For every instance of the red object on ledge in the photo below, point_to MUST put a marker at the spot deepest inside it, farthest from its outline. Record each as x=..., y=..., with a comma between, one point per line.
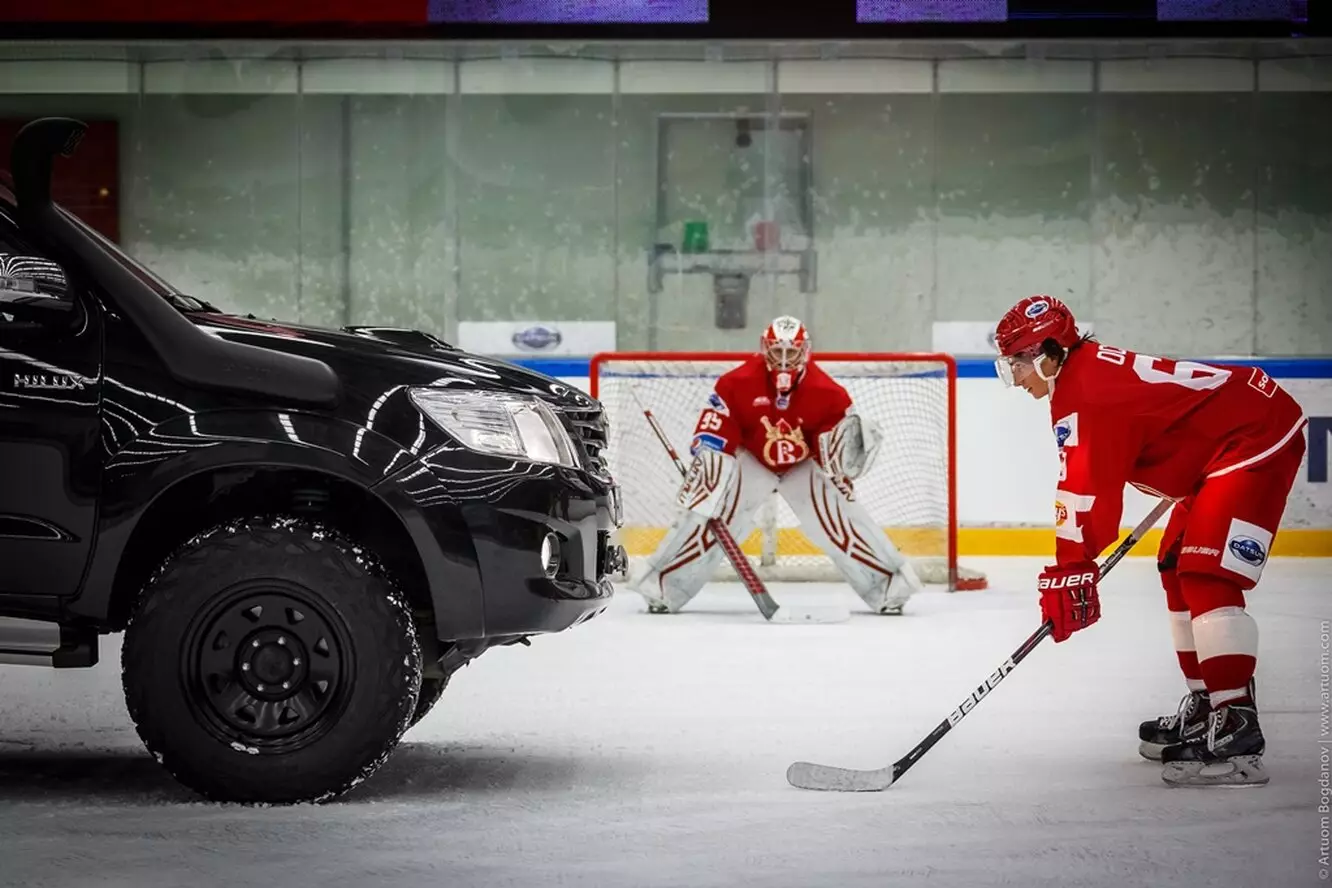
x=210, y=11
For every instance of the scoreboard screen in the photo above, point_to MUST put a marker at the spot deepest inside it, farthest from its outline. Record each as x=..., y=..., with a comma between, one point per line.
x=348, y=12
x=665, y=19
x=570, y=12
x=957, y=11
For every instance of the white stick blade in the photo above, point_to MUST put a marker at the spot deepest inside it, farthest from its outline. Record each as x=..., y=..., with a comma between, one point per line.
x=807, y=775
x=832, y=614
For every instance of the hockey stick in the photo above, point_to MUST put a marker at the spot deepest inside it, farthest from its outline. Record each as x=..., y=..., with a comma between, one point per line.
x=807, y=775
x=766, y=605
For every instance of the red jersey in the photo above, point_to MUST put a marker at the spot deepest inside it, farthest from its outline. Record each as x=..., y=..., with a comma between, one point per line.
x=1163, y=426
x=744, y=410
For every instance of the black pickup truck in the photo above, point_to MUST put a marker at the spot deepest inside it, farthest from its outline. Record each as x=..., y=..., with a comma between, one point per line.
x=302, y=533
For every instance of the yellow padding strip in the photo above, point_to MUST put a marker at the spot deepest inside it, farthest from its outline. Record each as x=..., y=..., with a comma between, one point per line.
x=980, y=541
x=1307, y=542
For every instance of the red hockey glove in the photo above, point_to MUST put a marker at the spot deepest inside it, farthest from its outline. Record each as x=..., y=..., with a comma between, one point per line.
x=1068, y=597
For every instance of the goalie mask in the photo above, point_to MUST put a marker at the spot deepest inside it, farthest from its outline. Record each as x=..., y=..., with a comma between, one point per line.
x=785, y=349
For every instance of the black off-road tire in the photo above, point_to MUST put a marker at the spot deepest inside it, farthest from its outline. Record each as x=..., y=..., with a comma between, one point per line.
x=235, y=613
x=431, y=690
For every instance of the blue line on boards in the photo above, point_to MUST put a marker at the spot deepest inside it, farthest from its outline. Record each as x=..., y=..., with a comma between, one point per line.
x=983, y=368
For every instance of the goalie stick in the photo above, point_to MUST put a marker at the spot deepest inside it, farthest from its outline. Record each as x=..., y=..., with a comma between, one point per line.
x=743, y=569
x=807, y=775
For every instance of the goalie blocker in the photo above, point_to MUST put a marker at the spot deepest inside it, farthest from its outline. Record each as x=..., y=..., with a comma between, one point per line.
x=752, y=440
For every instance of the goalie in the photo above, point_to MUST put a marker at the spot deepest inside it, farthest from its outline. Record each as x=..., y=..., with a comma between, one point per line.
x=778, y=423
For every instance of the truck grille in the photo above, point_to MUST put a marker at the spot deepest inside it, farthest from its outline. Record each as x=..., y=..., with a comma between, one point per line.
x=589, y=431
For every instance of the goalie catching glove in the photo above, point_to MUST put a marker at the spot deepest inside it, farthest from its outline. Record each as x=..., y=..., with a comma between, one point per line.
x=847, y=450
x=1068, y=597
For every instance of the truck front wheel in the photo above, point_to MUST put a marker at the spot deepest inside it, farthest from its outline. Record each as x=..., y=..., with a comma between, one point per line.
x=431, y=690
x=269, y=662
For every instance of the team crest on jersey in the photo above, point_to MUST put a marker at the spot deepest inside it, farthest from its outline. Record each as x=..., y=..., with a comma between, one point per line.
x=784, y=446
x=1066, y=431
x=716, y=403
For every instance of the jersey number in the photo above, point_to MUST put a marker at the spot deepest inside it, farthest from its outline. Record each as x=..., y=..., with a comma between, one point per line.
x=1189, y=374
x=709, y=422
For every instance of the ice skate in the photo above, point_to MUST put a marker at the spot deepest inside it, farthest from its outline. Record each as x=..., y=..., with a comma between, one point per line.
x=1189, y=721
x=657, y=599
x=1228, y=753
x=659, y=604
x=902, y=586
x=893, y=598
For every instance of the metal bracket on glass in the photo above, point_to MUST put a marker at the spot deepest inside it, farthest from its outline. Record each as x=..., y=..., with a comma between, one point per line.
x=667, y=258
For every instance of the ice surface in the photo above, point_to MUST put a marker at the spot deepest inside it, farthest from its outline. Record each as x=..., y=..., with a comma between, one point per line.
x=643, y=750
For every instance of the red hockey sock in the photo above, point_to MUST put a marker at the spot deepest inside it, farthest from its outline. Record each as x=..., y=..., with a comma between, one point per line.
x=1181, y=631
x=1225, y=635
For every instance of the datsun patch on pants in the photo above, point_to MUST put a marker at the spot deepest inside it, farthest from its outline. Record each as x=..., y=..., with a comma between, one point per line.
x=1247, y=546
x=1228, y=526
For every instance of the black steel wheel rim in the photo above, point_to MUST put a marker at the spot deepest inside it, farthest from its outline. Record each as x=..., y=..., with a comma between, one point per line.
x=267, y=667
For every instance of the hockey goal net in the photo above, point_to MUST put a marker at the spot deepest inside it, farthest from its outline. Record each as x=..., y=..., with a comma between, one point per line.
x=910, y=490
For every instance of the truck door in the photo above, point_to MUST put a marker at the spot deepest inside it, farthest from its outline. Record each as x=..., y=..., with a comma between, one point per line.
x=50, y=398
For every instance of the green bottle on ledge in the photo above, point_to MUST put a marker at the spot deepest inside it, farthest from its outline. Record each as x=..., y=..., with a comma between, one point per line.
x=695, y=237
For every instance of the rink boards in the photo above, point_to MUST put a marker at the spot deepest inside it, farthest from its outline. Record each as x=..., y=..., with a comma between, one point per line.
x=1007, y=464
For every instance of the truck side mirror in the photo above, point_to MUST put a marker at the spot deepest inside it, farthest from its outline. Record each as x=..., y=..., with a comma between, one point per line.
x=34, y=290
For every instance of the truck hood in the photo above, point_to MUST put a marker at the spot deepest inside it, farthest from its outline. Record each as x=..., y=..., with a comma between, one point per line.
x=374, y=359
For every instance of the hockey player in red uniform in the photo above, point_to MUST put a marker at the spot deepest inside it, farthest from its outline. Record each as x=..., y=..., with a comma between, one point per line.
x=778, y=423
x=1225, y=443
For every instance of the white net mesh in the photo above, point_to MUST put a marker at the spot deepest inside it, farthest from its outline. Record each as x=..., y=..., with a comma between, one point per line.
x=906, y=490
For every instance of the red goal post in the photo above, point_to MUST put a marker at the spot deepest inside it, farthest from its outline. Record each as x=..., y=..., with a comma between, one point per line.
x=910, y=490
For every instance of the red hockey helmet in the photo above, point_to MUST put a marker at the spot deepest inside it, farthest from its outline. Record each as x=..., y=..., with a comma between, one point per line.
x=785, y=348
x=1025, y=327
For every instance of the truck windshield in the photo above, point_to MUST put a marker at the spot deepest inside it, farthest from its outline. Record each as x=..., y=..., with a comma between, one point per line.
x=154, y=281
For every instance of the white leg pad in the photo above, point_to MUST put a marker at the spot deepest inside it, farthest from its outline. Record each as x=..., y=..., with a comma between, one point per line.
x=844, y=530
x=688, y=555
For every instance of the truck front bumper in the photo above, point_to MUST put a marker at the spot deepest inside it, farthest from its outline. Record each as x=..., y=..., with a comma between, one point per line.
x=509, y=548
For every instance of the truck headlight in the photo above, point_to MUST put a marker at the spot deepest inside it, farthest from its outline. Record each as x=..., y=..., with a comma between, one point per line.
x=499, y=424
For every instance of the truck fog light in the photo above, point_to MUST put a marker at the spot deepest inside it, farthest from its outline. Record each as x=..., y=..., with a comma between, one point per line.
x=550, y=555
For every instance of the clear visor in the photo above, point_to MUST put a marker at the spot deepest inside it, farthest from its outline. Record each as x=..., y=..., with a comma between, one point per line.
x=1014, y=367
x=785, y=355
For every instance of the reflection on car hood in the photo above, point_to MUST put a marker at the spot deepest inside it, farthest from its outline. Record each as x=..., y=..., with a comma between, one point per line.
x=391, y=356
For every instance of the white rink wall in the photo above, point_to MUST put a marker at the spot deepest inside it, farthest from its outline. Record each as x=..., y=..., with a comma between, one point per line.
x=1007, y=464
x=1007, y=467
